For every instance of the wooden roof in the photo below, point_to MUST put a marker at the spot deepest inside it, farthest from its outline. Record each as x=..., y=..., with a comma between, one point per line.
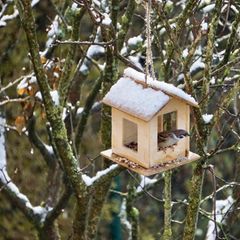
x=131, y=95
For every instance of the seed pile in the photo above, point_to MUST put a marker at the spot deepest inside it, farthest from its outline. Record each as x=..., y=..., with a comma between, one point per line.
x=132, y=145
x=134, y=165
x=129, y=163
x=167, y=164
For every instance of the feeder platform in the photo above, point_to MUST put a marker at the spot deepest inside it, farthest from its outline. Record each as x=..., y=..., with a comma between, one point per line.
x=149, y=171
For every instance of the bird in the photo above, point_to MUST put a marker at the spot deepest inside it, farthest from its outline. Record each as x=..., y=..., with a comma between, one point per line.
x=170, y=138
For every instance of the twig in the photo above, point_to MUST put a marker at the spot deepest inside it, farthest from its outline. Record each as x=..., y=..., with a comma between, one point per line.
x=13, y=83
x=231, y=184
x=8, y=127
x=210, y=168
x=57, y=210
x=14, y=100
x=85, y=43
x=48, y=156
x=128, y=62
x=59, y=13
x=145, y=191
x=94, y=14
x=65, y=81
x=231, y=40
x=125, y=22
x=209, y=52
x=88, y=105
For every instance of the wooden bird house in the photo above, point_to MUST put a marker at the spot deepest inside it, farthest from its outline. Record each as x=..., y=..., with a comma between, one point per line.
x=140, y=113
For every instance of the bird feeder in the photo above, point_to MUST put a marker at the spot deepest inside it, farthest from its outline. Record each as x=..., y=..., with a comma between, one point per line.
x=140, y=113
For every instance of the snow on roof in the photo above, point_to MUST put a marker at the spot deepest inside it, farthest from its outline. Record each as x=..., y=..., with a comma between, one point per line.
x=131, y=97
x=167, y=88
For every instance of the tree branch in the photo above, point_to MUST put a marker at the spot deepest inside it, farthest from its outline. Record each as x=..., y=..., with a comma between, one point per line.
x=209, y=52
x=58, y=209
x=64, y=82
x=87, y=108
x=125, y=22
x=53, y=111
x=48, y=156
x=167, y=233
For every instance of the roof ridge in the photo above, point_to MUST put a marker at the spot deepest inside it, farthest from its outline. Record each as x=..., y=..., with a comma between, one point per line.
x=167, y=88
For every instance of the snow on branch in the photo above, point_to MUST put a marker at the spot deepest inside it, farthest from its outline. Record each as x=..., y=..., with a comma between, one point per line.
x=2, y=145
x=123, y=217
x=53, y=32
x=207, y=118
x=90, y=181
x=146, y=182
x=5, y=18
x=12, y=191
x=94, y=51
x=222, y=208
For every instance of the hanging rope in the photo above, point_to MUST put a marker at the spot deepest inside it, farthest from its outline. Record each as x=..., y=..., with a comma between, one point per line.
x=149, y=58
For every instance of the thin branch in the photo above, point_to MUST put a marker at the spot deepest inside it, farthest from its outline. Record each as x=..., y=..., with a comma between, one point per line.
x=48, y=156
x=209, y=53
x=132, y=211
x=14, y=100
x=94, y=14
x=87, y=43
x=59, y=207
x=13, y=83
x=59, y=13
x=128, y=62
x=19, y=200
x=231, y=40
x=87, y=108
x=65, y=80
x=125, y=22
x=229, y=185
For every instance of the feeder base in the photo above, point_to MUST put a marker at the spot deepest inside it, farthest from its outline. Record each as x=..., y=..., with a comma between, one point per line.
x=149, y=171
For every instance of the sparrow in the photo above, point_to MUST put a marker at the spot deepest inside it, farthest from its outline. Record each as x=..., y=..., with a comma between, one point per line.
x=169, y=138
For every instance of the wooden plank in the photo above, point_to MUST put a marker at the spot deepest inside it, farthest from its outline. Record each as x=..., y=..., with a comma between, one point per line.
x=187, y=125
x=149, y=171
x=118, y=137
x=117, y=126
x=130, y=154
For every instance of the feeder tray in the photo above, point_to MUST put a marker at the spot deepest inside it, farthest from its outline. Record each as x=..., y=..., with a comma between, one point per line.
x=162, y=167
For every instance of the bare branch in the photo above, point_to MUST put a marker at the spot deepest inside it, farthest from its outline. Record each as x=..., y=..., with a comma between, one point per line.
x=66, y=42
x=14, y=100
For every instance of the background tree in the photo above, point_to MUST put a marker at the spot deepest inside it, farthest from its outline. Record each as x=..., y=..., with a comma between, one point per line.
x=58, y=59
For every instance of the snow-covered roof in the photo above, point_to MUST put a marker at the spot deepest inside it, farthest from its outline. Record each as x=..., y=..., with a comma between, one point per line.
x=131, y=96
x=167, y=88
